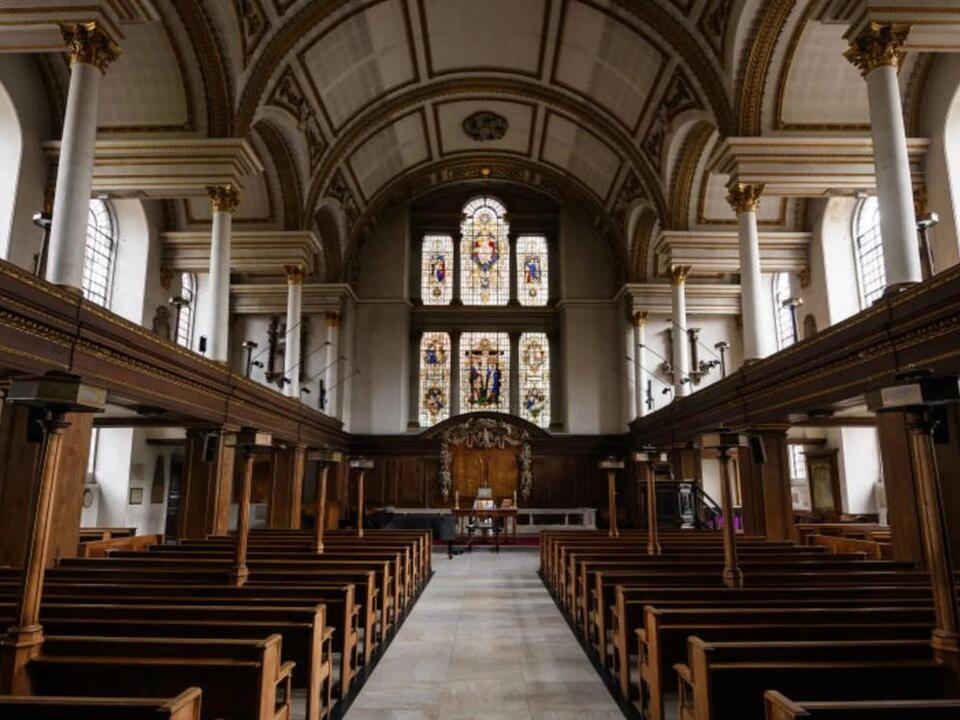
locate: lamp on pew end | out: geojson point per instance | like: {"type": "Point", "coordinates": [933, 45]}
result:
{"type": "Point", "coordinates": [649, 454]}
{"type": "Point", "coordinates": [326, 455]}
{"type": "Point", "coordinates": [251, 440]}
{"type": "Point", "coordinates": [722, 439]}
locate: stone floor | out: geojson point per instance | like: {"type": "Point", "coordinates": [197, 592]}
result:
{"type": "Point", "coordinates": [485, 640]}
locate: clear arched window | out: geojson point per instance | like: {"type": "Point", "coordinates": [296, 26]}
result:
{"type": "Point", "coordinates": [535, 378]}
{"type": "Point", "coordinates": [186, 314]}
{"type": "Point", "coordinates": [533, 270]}
{"type": "Point", "coordinates": [484, 253]}
{"type": "Point", "coordinates": [436, 270]}
{"type": "Point", "coordinates": [434, 378]}
{"type": "Point", "coordinates": [485, 372]}
{"type": "Point", "coordinates": [786, 323]}
{"type": "Point", "coordinates": [869, 251]}
{"type": "Point", "coordinates": [100, 253]}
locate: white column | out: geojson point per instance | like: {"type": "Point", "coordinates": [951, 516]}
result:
{"type": "Point", "coordinates": [681, 346]}
{"type": "Point", "coordinates": [758, 341]}
{"type": "Point", "coordinates": [332, 373]}
{"type": "Point", "coordinates": [640, 353]}
{"type": "Point", "coordinates": [631, 383]}
{"type": "Point", "coordinates": [878, 53]}
{"type": "Point", "coordinates": [291, 346]}
{"type": "Point", "coordinates": [91, 51]}
{"type": "Point", "coordinates": [223, 201]}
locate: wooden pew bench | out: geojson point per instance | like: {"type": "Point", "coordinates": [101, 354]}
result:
{"type": "Point", "coordinates": [240, 679]}
{"type": "Point", "coordinates": [779, 707]}
{"type": "Point", "coordinates": [720, 681]}
{"type": "Point", "coordinates": [185, 706]}
{"type": "Point", "coordinates": [663, 639]}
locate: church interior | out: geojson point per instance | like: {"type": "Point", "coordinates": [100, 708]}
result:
{"type": "Point", "coordinates": [444, 359]}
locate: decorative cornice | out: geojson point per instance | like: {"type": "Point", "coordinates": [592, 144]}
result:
{"type": "Point", "coordinates": [678, 274]}
{"type": "Point", "coordinates": [745, 198]}
{"type": "Point", "coordinates": [878, 45]}
{"type": "Point", "coordinates": [88, 43]}
{"type": "Point", "coordinates": [223, 198]}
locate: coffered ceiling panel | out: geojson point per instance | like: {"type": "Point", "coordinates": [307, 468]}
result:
{"type": "Point", "coordinates": [570, 147]}
{"type": "Point", "coordinates": [399, 146]}
{"type": "Point", "coordinates": [359, 59]}
{"type": "Point", "coordinates": [507, 35]}
{"type": "Point", "coordinates": [606, 60]}
{"type": "Point", "coordinates": [145, 88]}
{"type": "Point", "coordinates": [517, 138]}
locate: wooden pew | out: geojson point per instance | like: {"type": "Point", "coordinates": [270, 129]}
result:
{"type": "Point", "coordinates": [778, 707]}
{"type": "Point", "coordinates": [100, 548]}
{"type": "Point", "coordinates": [240, 679]}
{"type": "Point", "coordinates": [185, 706]}
{"type": "Point", "coordinates": [720, 681]}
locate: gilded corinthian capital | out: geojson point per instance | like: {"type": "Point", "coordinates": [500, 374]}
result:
{"type": "Point", "coordinates": [88, 43]}
{"type": "Point", "coordinates": [223, 198]}
{"type": "Point", "coordinates": [880, 44]}
{"type": "Point", "coordinates": [679, 273]}
{"type": "Point", "coordinates": [745, 198]}
{"type": "Point", "coordinates": [294, 273]}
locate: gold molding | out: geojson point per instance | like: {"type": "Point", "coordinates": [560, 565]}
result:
{"type": "Point", "coordinates": [753, 76]}
{"type": "Point", "coordinates": [881, 44]}
{"type": "Point", "coordinates": [332, 318]}
{"type": "Point", "coordinates": [678, 274]}
{"type": "Point", "coordinates": [88, 43]}
{"type": "Point", "coordinates": [745, 198]}
{"type": "Point", "coordinates": [639, 318]}
{"type": "Point", "coordinates": [295, 273]}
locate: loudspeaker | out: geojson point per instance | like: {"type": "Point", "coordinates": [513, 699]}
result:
{"type": "Point", "coordinates": [757, 449]}
{"type": "Point", "coordinates": [202, 345]}
{"type": "Point", "coordinates": [210, 444]}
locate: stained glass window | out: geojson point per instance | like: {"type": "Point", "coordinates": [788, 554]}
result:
{"type": "Point", "coordinates": [436, 270]}
{"type": "Point", "coordinates": [188, 284]}
{"type": "Point", "coordinates": [485, 372]}
{"type": "Point", "coordinates": [484, 253]}
{"type": "Point", "coordinates": [533, 270]}
{"type": "Point", "coordinates": [434, 378]}
{"type": "Point", "coordinates": [786, 327]}
{"type": "Point", "coordinates": [99, 254]}
{"type": "Point", "coordinates": [869, 247]}
{"type": "Point", "coordinates": [535, 378]}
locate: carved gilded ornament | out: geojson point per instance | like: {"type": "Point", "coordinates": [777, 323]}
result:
{"type": "Point", "coordinates": [486, 433]}
{"type": "Point", "coordinates": [223, 198]}
{"type": "Point", "coordinates": [87, 43]}
{"type": "Point", "coordinates": [804, 277]}
{"type": "Point", "coordinates": [878, 45]}
{"type": "Point", "coordinates": [333, 319]}
{"type": "Point", "coordinates": [745, 198]}
{"type": "Point", "coordinates": [294, 273]}
{"type": "Point", "coordinates": [678, 274]}
{"type": "Point", "coordinates": [640, 318]}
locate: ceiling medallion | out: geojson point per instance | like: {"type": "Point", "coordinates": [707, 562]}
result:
{"type": "Point", "coordinates": [484, 125]}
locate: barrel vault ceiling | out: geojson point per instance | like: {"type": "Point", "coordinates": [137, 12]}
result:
{"type": "Point", "coordinates": [352, 106]}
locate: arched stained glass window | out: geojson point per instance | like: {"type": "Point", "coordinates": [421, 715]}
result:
{"type": "Point", "coordinates": [786, 327]}
{"type": "Point", "coordinates": [535, 378]}
{"type": "Point", "coordinates": [436, 270]}
{"type": "Point", "coordinates": [188, 284]}
{"type": "Point", "coordinates": [484, 253]}
{"type": "Point", "coordinates": [533, 270]}
{"type": "Point", "coordinates": [869, 251]}
{"type": "Point", "coordinates": [485, 372]}
{"type": "Point", "coordinates": [434, 378]}
{"type": "Point", "coordinates": [99, 255]}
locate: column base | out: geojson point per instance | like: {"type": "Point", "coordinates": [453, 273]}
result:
{"type": "Point", "coordinates": [947, 644]}
{"type": "Point", "coordinates": [897, 288]}
{"type": "Point", "coordinates": [19, 646]}
{"type": "Point", "coordinates": [318, 549]}
{"type": "Point", "coordinates": [733, 577]}
{"type": "Point", "coordinates": [413, 425]}
{"type": "Point", "coordinates": [614, 533]}
{"type": "Point", "coordinates": [653, 549]}
{"type": "Point", "coordinates": [237, 577]}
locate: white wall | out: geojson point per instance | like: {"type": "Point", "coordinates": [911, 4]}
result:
{"type": "Point", "coordinates": [593, 385]}
{"type": "Point", "coordinates": [19, 237]}
{"type": "Point", "coordinates": [940, 122]}
{"type": "Point", "coordinates": [859, 468]}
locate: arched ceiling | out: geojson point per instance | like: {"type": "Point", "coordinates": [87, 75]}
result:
{"type": "Point", "coordinates": [614, 104]}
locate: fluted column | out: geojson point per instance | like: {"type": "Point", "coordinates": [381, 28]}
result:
{"type": "Point", "coordinates": [90, 51]}
{"type": "Point", "coordinates": [332, 373]}
{"type": "Point", "coordinates": [681, 347]}
{"type": "Point", "coordinates": [878, 53]}
{"type": "Point", "coordinates": [291, 346]}
{"type": "Point", "coordinates": [745, 199]}
{"type": "Point", "coordinates": [223, 202]}
{"type": "Point", "coordinates": [640, 353]}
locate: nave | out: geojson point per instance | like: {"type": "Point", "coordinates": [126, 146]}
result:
{"type": "Point", "coordinates": [485, 640]}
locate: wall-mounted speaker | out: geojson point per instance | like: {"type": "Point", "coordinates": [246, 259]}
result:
{"type": "Point", "coordinates": [757, 449]}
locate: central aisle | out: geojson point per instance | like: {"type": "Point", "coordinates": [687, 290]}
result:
{"type": "Point", "coordinates": [485, 641]}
